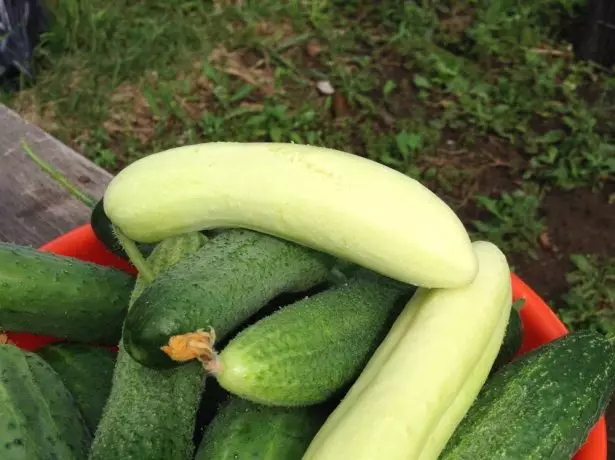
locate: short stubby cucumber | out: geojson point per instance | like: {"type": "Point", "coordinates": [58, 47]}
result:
{"type": "Point", "coordinates": [86, 371]}
{"type": "Point", "coordinates": [422, 379]}
{"type": "Point", "coordinates": [242, 430]}
{"type": "Point", "coordinates": [308, 351]}
{"type": "Point", "coordinates": [335, 202]}
{"type": "Point", "coordinates": [542, 405]}
{"type": "Point", "coordinates": [48, 294]}
{"type": "Point", "coordinates": [218, 287]}
{"type": "Point", "coordinates": [40, 419]}
{"type": "Point", "coordinates": [150, 414]}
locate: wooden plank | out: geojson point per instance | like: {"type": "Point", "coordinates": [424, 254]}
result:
{"type": "Point", "coordinates": [33, 207]}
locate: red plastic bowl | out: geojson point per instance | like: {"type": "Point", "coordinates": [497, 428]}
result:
{"type": "Point", "coordinates": [540, 324]}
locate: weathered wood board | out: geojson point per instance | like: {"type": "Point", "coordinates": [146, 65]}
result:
{"type": "Point", "coordinates": [33, 207]}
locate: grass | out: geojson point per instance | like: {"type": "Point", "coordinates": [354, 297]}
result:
{"type": "Point", "coordinates": [514, 223]}
{"type": "Point", "coordinates": [592, 294]}
{"type": "Point", "coordinates": [482, 100]}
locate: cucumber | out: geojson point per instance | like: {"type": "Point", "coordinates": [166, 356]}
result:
{"type": "Point", "coordinates": [151, 414]}
{"type": "Point", "coordinates": [242, 430]}
{"type": "Point", "coordinates": [216, 395]}
{"type": "Point", "coordinates": [87, 372]}
{"type": "Point", "coordinates": [512, 340]}
{"type": "Point", "coordinates": [221, 285]}
{"type": "Point", "coordinates": [308, 351]}
{"type": "Point", "coordinates": [40, 420]}
{"type": "Point", "coordinates": [332, 201]}
{"type": "Point", "coordinates": [103, 229]}
{"type": "Point", "coordinates": [213, 400]}
{"type": "Point", "coordinates": [425, 374]}
{"type": "Point", "coordinates": [542, 405]}
{"type": "Point", "coordinates": [48, 294]}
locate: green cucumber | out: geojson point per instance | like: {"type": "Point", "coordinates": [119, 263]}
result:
{"type": "Point", "coordinates": [150, 414]}
{"type": "Point", "coordinates": [308, 351]}
{"type": "Point", "coordinates": [87, 372]}
{"type": "Point", "coordinates": [542, 405]}
{"type": "Point", "coordinates": [211, 403]}
{"type": "Point", "coordinates": [103, 229]}
{"type": "Point", "coordinates": [48, 294]}
{"type": "Point", "coordinates": [512, 340]}
{"type": "Point", "coordinates": [216, 395]}
{"type": "Point", "coordinates": [242, 430]}
{"type": "Point", "coordinates": [40, 420]}
{"type": "Point", "coordinates": [224, 283]}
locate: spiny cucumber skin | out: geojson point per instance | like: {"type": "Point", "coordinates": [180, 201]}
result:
{"type": "Point", "coordinates": [43, 293]}
{"type": "Point", "coordinates": [242, 430]}
{"type": "Point", "coordinates": [306, 352]}
{"type": "Point", "coordinates": [166, 254]}
{"type": "Point", "coordinates": [86, 371]}
{"type": "Point", "coordinates": [542, 405]}
{"type": "Point", "coordinates": [40, 419]}
{"type": "Point", "coordinates": [150, 413]}
{"type": "Point", "coordinates": [234, 275]}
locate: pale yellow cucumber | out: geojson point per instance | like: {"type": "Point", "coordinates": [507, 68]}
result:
{"type": "Point", "coordinates": [440, 435]}
{"type": "Point", "coordinates": [426, 373]}
{"type": "Point", "coordinates": [332, 201]}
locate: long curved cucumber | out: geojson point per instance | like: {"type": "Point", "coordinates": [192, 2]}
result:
{"type": "Point", "coordinates": [335, 202]}
{"type": "Point", "coordinates": [63, 297]}
{"type": "Point", "coordinates": [218, 287]}
{"type": "Point", "coordinates": [425, 374]}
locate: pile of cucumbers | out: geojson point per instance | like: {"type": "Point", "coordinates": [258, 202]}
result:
{"type": "Point", "coordinates": [291, 303]}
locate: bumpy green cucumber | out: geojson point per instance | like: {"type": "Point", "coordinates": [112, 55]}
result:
{"type": "Point", "coordinates": [150, 414]}
{"type": "Point", "coordinates": [243, 431]}
{"type": "Point", "coordinates": [40, 420]}
{"type": "Point", "coordinates": [47, 294]}
{"type": "Point", "coordinates": [307, 351]}
{"type": "Point", "coordinates": [87, 372]}
{"type": "Point", "coordinates": [512, 340]}
{"type": "Point", "coordinates": [234, 275]}
{"type": "Point", "coordinates": [540, 406]}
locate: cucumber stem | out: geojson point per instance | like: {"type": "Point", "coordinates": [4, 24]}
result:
{"type": "Point", "coordinates": [57, 176]}
{"type": "Point", "coordinates": [192, 345]}
{"type": "Point", "coordinates": [135, 256]}
{"type": "Point", "coordinates": [213, 366]}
